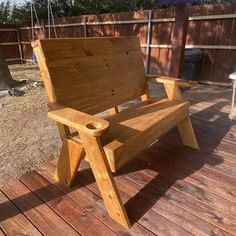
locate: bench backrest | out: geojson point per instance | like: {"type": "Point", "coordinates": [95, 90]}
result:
{"type": "Point", "coordinates": [92, 74]}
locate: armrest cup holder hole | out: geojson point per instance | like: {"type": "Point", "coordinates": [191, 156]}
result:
{"type": "Point", "coordinates": [93, 125]}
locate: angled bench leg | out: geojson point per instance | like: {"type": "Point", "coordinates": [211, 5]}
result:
{"type": "Point", "coordinates": [185, 126]}
{"type": "Point", "coordinates": [72, 152]}
{"type": "Point", "coordinates": [104, 179]}
{"type": "Point", "coordinates": [187, 133]}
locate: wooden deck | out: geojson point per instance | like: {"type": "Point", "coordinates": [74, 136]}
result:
{"type": "Point", "coordinates": [169, 189]}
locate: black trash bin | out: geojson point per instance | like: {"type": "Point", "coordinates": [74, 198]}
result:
{"type": "Point", "coordinates": [192, 64]}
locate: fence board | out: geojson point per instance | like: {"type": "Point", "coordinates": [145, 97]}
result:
{"type": "Point", "coordinates": [217, 63]}
{"type": "Point", "coordinates": [9, 42]}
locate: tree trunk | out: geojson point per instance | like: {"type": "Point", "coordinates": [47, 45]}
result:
{"type": "Point", "coordinates": [6, 80]}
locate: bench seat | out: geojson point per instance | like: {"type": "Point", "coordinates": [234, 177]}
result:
{"type": "Point", "coordinates": [135, 128]}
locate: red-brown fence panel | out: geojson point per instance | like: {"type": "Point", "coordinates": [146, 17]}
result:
{"type": "Point", "coordinates": [10, 41]}
{"type": "Point", "coordinates": [210, 27]}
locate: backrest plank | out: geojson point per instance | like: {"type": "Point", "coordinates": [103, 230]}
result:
{"type": "Point", "coordinates": [92, 74]}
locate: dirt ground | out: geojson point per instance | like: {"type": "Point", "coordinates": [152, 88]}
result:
{"type": "Point", "coordinates": [29, 139]}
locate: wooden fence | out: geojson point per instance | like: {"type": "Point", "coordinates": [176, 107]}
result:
{"type": "Point", "coordinates": [10, 40]}
{"type": "Point", "coordinates": [211, 28]}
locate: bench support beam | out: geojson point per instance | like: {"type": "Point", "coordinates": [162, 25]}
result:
{"type": "Point", "coordinates": [105, 181]}
{"type": "Point", "coordinates": [72, 152]}
{"type": "Point", "coordinates": [187, 133]}
{"type": "Point", "coordinates": [185, 126]}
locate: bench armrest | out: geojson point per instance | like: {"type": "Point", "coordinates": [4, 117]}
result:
{"type": "Point", "coordinates": [78, 120]}
{"type": "Point", "coordinates": [173, 81]}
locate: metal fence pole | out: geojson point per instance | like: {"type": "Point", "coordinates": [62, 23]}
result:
{"type": "Point", "coordinates": [49, 21]}
{"type": "Point", "coordinates": [149, 29]}
{"type": "Point", "coordinates": [85, 26]}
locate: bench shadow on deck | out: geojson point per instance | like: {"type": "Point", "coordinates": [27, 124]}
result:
{"type": "Point", "coordinates": [169, 189]}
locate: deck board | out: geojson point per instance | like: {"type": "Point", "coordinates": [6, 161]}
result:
{"type": "Point", "coordinates": [169, 189]}
{"type": "Point", "coordinates": [160, 184]}
{"type": "Point", "coordinates": [137, 213]}
{"type": "Point", "coordinates": [1, 232]}
{"type": "Point", "coordinates": [42, 216]}
{"type": "Point", "coordinates": [91, 202]}
{"type": "Point", "coordinates": [171, 210]}
{"type": "Point", "coordinates": [13, 222]}
{"type": "Point", "coordinates": [64, 206]}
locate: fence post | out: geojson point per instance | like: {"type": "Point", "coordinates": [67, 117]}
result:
{"type": "Point", "coordinates": [178, 39]}
{"type": "Point", "coordinates": [43, 28]}
{"type": "Point", "coordinates": [19, 44]}
{"type": "Point", "coordinates": [149, 30]}
{"type": "Point", "coordinates": [85, 26]}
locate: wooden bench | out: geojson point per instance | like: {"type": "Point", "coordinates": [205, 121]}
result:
{"type": "Point", "coordinates": [84, 77]}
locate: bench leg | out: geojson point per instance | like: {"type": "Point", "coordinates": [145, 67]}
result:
{"type": "Point", "coordinates": [72, 152]}
{"type": "Point", "coordinates": [105, 181]}
{"type": "Point", "coordinates": [187, 133]}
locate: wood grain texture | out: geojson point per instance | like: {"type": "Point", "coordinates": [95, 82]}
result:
{"type": "Point", "coordinates": [42, 216]}
{"type": "Point", "coordinates": [92, 203]}
{"type": "Point", "coordinates": [12, 221]}
{"type": "Point", "coordinates": [72, 152]}
{"type": "Point", "coordinates": [187, 133]}
{"type": "Point", "coordinates": [63, 130]}
{"type": "Point", "coordinates": [115, 74]}
{"type": "Point", "coordinates": [73, 214]}
{"type": "Point", "coordinates": [189, 184]}
{"type": "Point", "coordinates": [173, 81]}
{"type": "Point", "coordinates": [137, 209]}
{"type": "Point", "coordinates": [145, 185]}
{"type": "Point", "coordinates": [178, 39]}
{"type": "Point", "coordinates": [185, 126]}
{"type": "Point", "coordinates": [104, 179]}
{"type": "Point", "coordinates": [183, 200]}
{"type": "Point", "coordinates": [173, 92]}
{"type": "Point", "coordinates": [45, 73]}
{"type": "Point", "coordinates": [211, 169]}
{"type": "Point", "coordinates": [79, 120]}
{"type": "Point", "coordinates": [137, 127]}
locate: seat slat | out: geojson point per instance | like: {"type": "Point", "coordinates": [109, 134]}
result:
{"type": "Point", "coordinates": [134, 129]}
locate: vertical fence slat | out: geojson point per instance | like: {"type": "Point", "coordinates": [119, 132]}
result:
{"type": "Point", "coordinates": [178, 39]}
{"type": "Point", "coordinates": [19, 45]}
{"type": "Point", "coordinates": [149, 29]}
{"type": "Point", "coordinates": [157, 54]}
{"type": "Point", "coordinates": [85, 26]}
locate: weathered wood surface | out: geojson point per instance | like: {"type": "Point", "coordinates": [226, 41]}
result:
{"type": "Point", "coordinates": [12, 221]}
{"type": "Point", "coordinates": [169, 189]}
{"type": "Point", "coordinates": [178, 39]}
